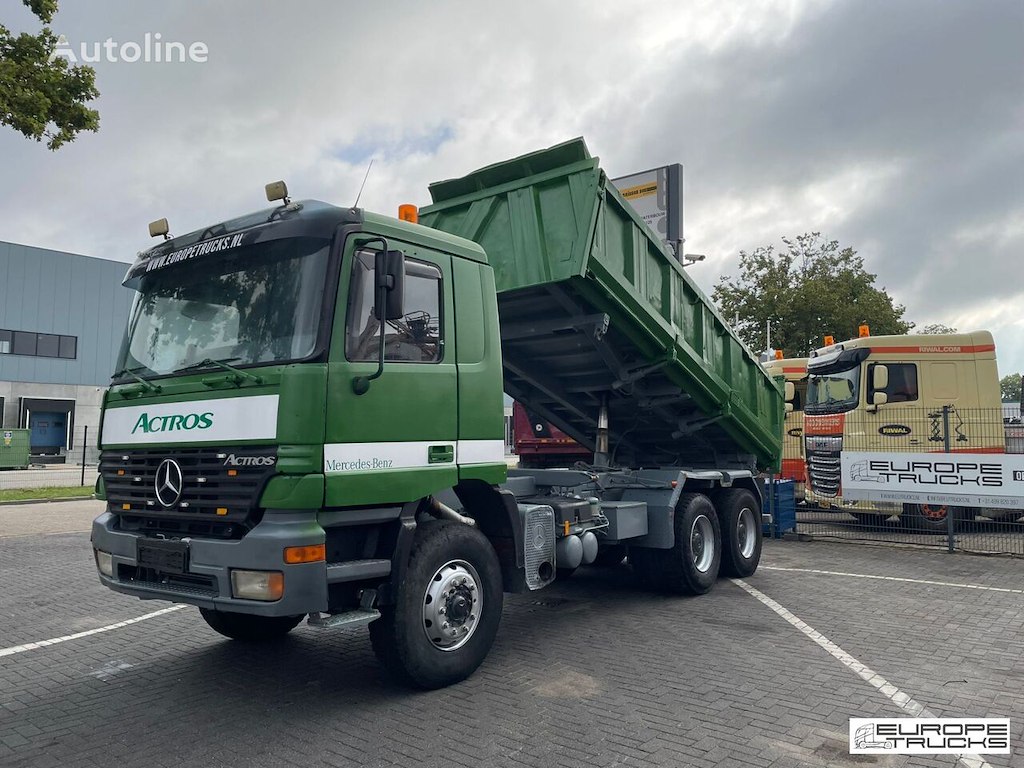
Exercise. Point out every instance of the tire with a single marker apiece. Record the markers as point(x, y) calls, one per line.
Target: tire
point(929, 518)
point(691, 566)
point(610, 556)
point(248, 628)
point(452, 567)
point(739, 516)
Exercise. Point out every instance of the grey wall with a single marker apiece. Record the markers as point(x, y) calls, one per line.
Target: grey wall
point(54, 292)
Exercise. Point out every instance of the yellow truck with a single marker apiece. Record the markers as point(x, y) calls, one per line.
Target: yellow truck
point(794, 371)
point(884, 397)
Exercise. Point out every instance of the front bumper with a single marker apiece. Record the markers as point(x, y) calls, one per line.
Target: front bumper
point(211, 561)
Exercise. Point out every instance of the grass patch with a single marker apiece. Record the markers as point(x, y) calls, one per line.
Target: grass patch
point(28, 494)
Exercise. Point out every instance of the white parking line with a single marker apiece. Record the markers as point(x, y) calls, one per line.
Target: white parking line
point(895, 578)
point(902, 700)
point(109, 628)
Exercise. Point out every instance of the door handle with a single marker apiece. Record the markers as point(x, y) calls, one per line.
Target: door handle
point(441, 454)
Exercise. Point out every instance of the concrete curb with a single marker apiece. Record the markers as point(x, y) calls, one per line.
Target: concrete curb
point(46, 501)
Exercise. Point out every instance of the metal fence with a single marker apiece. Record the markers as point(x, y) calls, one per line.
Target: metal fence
point(941, 477)
point(30, 471)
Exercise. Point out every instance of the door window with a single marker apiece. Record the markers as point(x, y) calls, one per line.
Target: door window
point(902, 387)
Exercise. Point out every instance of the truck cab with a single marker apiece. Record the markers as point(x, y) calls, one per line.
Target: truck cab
point(793, 371)
point(883, 393)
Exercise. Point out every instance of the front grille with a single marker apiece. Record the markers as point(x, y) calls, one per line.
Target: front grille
point(823, 471)
point(210, 495)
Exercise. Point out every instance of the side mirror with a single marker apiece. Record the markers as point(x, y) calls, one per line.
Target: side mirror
point(790, 393)
point(879, 398)
point(879, 377)
point(389, 278)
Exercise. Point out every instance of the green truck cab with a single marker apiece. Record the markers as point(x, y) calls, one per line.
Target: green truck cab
point(268, 455)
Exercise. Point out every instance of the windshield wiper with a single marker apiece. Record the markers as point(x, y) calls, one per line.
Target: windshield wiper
point(133, 372)
point(223, 363)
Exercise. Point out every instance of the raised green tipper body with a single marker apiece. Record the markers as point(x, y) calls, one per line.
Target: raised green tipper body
point(266, 456)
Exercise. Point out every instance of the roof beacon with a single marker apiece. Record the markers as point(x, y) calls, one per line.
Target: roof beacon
point(277, 190)
point(160, 227)
point(864, 331)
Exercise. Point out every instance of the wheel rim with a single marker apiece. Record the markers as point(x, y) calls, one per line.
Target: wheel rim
point(702, 543)
point(934, 513)
point(746, 533)
point(452, 604)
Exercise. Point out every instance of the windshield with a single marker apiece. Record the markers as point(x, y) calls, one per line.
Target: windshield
point(833, 392)
point(258, 304)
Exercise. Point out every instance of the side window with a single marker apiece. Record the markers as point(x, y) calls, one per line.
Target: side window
point(417, 337)
point(799, 394)
point(902, 386)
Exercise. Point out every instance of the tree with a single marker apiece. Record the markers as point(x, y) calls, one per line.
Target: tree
point(807, 290)
point(1009, 387)
point(41, 95)
point(936, 329)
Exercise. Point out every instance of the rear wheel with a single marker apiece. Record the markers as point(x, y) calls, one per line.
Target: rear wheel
point(739, 516)
point(691, 566)
point(446, 610)
point(249, 628)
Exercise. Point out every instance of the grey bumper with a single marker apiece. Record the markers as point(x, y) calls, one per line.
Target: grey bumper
point(305, 585)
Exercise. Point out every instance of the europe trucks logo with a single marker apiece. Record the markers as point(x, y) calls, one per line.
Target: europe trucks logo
point(175, 422)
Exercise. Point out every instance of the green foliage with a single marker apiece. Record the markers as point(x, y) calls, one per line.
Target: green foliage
point(44, 97)
point(937, 329)
point(1009, 387)
point(807, 290)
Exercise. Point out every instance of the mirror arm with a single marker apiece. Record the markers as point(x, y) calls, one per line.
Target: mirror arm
point(361, 384)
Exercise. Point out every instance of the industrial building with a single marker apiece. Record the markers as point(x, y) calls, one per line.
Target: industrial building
point(61, 321)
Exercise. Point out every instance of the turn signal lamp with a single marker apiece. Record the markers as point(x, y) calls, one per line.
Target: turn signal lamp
point(864, 331)
point(408, 212)
point(778, 354)
point(315, 553)
point(829, 341)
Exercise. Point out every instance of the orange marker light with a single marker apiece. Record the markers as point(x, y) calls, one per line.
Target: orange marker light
point(314, 553)
point(410, 213)
point(126, 506)
point(863, 331)
point(222, 510)
point(120, 472)
point(778, 354)
point(232, 472)
point(829, 341)
point(565, 527)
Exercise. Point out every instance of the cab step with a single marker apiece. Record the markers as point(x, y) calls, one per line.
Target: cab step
point(347, 619)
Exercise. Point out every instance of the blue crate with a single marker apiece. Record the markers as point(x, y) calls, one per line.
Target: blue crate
point(782, 507)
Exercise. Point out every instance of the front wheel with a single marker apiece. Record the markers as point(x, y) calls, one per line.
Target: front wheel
point(249, 628)
point(932, 518)
point(446, 610)
point(691, 566)
point(739, 515)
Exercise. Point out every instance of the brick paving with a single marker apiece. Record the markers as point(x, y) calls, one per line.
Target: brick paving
point(592, 672)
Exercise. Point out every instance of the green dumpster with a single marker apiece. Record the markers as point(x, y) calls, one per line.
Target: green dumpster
point(13, 448)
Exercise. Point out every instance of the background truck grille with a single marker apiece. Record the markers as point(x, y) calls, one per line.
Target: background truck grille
point(823, 471)
point(219, 485)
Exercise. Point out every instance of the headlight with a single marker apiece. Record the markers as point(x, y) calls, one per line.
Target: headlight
point(257, 585)
point(105, 562)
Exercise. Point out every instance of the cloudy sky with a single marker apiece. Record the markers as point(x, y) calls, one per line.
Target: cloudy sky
point(894, 126)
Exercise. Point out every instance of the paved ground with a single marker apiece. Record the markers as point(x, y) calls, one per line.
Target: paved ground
point(592, 672)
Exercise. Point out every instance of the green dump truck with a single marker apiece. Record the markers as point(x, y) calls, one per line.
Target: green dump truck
point(268, 454)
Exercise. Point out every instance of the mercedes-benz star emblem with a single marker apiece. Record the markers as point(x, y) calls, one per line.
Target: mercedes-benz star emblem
point(168, 483)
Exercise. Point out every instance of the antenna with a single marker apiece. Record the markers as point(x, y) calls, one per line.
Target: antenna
point(365, 177)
